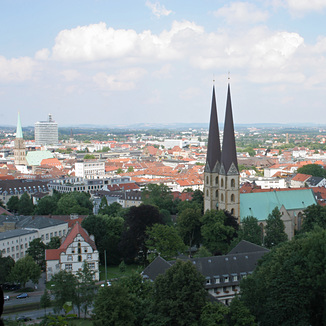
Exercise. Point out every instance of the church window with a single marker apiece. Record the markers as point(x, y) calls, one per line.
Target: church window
point(216, 181)
point(207, 180)
point(222, 183)
point(216, 194)
point(232, 183)
point(222, 197)
point(232, 211)
point(232, 197)
point(207, 193)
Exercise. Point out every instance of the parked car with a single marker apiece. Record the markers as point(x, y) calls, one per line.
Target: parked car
point(22, 296)
point(108, 283)
point(6, 297)
point(23, 318)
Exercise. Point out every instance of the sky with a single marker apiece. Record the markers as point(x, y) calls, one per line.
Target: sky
point(110, 62)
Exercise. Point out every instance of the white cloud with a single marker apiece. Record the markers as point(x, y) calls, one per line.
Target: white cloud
point(42, 54)
point(70, 74)
point(241, 12)
point(16, 70)
point(302, 6)
point(122, 81)
point(157, 9)
point(164, 72)
point(97, 42)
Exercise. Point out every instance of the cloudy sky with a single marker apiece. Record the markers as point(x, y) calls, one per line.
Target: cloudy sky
point(141, 61)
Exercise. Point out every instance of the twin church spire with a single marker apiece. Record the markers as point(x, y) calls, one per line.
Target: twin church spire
point(221, 184)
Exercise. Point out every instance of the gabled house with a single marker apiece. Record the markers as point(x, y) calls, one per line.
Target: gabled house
point(222, 273)
point(77, 248)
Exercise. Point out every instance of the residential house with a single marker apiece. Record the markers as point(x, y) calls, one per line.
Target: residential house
point(77, 248)
point(222, 273)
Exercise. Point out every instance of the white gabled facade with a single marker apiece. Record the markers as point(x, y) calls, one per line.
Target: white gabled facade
point(77, 248)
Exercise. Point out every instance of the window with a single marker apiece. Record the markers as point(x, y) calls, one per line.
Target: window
point(17, 248)
point(60, 233)
point(232, 183)
point(222, 197)
point(85, 250)
point(226, 278)
point(51, 235)
point(232, 198)
point(91, 265)
point(79, 258)
point(232, 211)
point(222, 183)
point(216, 194)
point(72, 251)
point(21, 246)
point(69, 258)
point(208, 281)
point(235, 278)
point(68, 267)
point(55, 233)
point(89, 256)
point(47, 236)
point(8, 250)
point(207, 180)
point(207, 193)
point(217, 280)
point(42, 237)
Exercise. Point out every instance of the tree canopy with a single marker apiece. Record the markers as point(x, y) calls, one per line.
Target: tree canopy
point(313, 169)
point(314, 215)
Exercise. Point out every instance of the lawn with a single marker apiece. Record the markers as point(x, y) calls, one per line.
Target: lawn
point(114, 272)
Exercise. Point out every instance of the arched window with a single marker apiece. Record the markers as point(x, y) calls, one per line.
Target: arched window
point(79, 258)
point(232, 211)
point(216, 194)
point(207, 180)
point(222, 197)
point(216, 181)
point(222, 183)
point(232, 183)
point(232, 198)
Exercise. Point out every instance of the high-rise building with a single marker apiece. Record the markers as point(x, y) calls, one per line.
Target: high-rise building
point(46, 132)
point(19, 145)
point(222, 181)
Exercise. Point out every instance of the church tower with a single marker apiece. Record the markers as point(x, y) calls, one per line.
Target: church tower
point(19, 145)
point(222, 179)
point(229, 178)
point(213, 160)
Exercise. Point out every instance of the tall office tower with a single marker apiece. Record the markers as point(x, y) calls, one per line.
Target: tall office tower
point(46, 132)
point(19, 145)
point(221, 185)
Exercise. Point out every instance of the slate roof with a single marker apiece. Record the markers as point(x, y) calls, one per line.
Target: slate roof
point(37, 222)
point(15, 233)
point(240, 264)
point(261, 204)
point(213, 146)
point(313, 181)
point(19, 186)
point(229, 152)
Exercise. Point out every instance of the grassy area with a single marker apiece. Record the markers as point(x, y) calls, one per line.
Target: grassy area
point(114, 271)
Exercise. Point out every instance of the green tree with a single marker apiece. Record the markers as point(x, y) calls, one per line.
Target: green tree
point(75, 203)
point(107, 231)
point(2, 204)
point(54, 243)
point(113, 307)
point(25, 269)
point(103, 205)
point(188, 226)
point(86, 289)
point(160, 196)
point(314, 215)
point(130, 169)
point(36, 250)
point(89, 157)
point(25, 205)
point(45, 300)
point(203, 252)
point(133, 239)
point(198, 197)
point(111, 210)
point(6, 265)
point(64, 289)
point(274, 229)
point(46, 206)
point(214, 314)
point(313, 169)
point(180, 295)
point(250, 230)
point(119, 171)
point(12, 204)
point(216, 235)
point(239, 314)
point(164, 240)
point(288, 286)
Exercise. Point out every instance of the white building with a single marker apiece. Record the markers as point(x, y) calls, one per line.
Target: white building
point(77, 248)
point(266, 183)
point(14, 243)
point(91, 169)
point(46, 132)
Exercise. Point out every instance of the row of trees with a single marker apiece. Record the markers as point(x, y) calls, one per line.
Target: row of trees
point(57, 204)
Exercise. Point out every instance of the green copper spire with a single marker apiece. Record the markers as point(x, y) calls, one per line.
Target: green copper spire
point(19, 131)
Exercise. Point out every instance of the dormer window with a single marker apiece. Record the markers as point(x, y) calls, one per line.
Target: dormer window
point(226, 278)
point(208, 281)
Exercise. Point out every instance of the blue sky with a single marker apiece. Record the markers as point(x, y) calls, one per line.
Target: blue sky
point(124, 62)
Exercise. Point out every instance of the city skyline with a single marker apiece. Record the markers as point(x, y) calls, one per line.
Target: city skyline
point(121, 63)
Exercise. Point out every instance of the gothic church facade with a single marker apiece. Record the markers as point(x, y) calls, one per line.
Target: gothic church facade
point(221, 176)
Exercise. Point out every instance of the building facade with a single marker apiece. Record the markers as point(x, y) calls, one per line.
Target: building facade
point(46, 132)
point(19, 145)
point(221, 176)
point(91, 169)
point(76, 249)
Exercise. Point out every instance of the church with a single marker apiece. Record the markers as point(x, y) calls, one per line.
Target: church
point(221, 176)
point(222, 181)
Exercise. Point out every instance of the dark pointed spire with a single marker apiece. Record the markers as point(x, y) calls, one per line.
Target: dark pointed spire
point(213, 148)
point(229, 162)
